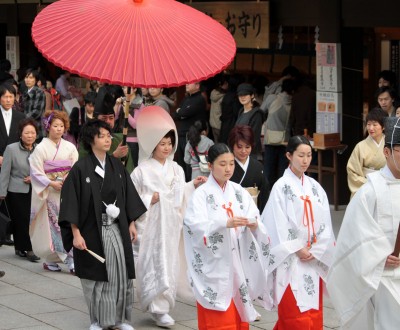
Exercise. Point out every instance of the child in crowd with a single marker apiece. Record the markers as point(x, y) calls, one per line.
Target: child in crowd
point(197, 145)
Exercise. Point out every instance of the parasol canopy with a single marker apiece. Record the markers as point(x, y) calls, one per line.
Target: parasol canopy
point(141, 43)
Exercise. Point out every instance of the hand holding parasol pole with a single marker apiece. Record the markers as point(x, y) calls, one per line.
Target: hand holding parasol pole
point(126, 123)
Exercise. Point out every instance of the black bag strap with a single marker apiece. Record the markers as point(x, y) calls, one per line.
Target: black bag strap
point(5, 204)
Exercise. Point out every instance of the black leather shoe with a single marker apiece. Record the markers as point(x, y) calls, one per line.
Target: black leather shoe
point(8, 241)
point(32, 257)
point(21, 254)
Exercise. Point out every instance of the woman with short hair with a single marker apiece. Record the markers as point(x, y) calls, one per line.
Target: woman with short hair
point(248, 171)
point(367, 155)
point(15, 184)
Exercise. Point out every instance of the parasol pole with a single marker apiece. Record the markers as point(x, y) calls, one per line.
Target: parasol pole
point(126, 116)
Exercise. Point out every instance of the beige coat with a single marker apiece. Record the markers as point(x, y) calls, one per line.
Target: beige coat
point(366, 157)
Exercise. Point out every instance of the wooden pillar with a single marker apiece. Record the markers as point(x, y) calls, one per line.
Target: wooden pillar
point(351, 39)
point(352, 73)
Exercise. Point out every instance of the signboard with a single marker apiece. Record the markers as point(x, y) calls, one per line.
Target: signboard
point(248, 22)
point(329, 67)
point(328, 112)
point(329, 88)
point(12, 53)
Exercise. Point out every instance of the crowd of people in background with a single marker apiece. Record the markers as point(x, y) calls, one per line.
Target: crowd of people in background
point(233, 220)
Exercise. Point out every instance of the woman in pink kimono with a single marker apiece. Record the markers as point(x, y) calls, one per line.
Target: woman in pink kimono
point(49, 165)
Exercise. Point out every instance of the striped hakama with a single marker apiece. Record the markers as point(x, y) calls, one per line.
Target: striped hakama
point(110, 302)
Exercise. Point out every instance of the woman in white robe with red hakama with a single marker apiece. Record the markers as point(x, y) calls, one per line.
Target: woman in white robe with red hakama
point(226, 248)
point(298, 220)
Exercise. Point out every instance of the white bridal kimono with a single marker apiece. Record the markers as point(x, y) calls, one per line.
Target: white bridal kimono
point(286, 222)
point(157, 256)
point(365, 294)
point(225, 263)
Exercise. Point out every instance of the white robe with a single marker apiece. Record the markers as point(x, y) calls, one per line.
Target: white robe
point(283, 217)
point(156, 251)
point(364, 293)
point(224, 263)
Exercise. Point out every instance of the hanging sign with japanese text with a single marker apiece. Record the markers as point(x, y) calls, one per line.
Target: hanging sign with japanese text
point(248, 22)
point(329, 88)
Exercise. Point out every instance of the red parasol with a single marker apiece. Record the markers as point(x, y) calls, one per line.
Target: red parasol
point(141, 43)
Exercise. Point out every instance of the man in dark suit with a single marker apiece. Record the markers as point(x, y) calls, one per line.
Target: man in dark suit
point(9, 121)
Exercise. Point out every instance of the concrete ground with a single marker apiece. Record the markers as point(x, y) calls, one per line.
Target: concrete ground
point(32, 298)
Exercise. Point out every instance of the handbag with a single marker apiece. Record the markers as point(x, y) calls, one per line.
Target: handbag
point(275, 137)
point(203, 164)
point(5, 223)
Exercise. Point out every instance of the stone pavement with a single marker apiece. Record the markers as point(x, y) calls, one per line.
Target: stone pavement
point(35, 299)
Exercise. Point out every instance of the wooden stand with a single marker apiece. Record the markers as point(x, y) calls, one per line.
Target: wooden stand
point(332, 170)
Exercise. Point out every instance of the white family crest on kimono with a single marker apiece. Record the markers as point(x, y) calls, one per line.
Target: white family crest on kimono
point(159, 234)
point(366, 239)
point(297, 215)
point(225, 263)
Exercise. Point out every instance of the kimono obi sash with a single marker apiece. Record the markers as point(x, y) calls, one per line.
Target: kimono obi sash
point(107, 221)
point(56, 168)
point(254, 192)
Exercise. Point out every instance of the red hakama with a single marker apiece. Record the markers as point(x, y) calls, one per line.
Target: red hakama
point(290, 317)
point(209, 319)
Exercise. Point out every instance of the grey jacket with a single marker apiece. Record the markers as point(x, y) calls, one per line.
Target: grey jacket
point(278, 115)
point(14, 169)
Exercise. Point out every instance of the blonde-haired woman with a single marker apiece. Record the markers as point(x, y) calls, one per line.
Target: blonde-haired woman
point(50, 163)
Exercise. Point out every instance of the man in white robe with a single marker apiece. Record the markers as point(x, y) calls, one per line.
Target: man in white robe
point(364, 281)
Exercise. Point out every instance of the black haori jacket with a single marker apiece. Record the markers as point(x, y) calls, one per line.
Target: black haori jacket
point(81, 204)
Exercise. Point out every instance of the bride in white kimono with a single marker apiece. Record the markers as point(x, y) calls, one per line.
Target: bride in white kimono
point(298, 220)
point(226, 248)
point(161, 185)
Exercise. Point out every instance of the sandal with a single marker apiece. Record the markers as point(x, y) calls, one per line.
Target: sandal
point(53, 267)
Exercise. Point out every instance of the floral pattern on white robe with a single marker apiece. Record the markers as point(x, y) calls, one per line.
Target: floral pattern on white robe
point(225, 263)
point(284, 219)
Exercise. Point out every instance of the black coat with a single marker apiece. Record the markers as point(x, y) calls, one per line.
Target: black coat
point(5, 139)
point(192, 108)
point(230, 107)
point(254, 177)
point(81, 204)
